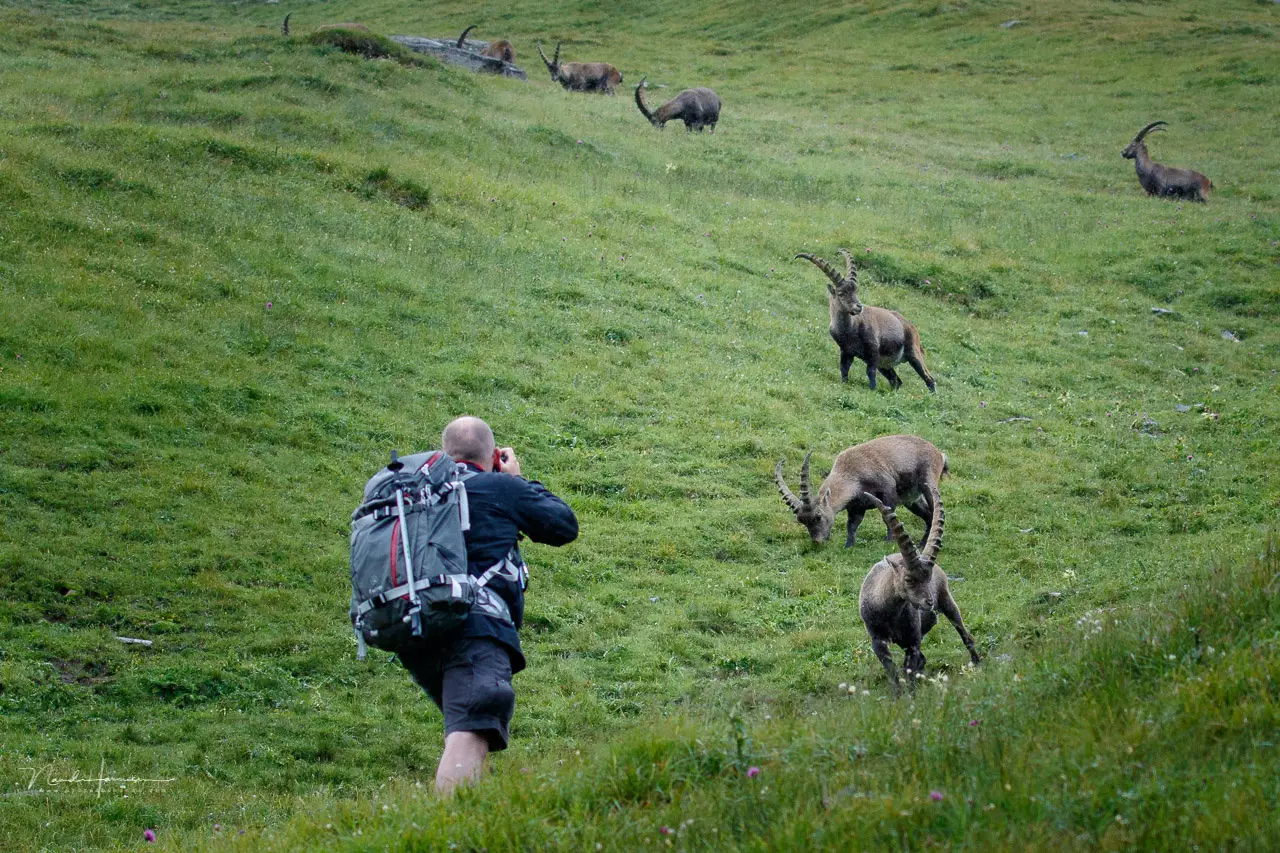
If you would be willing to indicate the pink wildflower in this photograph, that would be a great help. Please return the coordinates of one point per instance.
(149, 835)
(936, 796)
(268, 306)
(974, 722)
(753, 772)
(666, 830)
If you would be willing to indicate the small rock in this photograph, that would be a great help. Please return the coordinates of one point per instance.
(1163, 311)
(1009, 24)
(956, 578)
(1015, 420)
(1082, 333)
(1228, 336)
(1182, 407)
(1004, 658)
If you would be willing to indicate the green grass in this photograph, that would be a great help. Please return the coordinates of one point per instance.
(237, 269)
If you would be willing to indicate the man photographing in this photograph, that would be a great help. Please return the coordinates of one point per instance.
(469, 678)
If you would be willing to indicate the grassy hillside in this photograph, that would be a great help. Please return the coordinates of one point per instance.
(237, 269)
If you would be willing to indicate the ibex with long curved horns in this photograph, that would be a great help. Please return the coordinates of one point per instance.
(880, 337)
(582, 76)
(1161, 180)
(500, 49)
(903, 594)
(697, 108)
(895, 469)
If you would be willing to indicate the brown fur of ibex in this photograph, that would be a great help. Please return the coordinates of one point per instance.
(880, 337)
(582, 76)
(895, 469)
(1161, 180)
(903, 594)
(500, 49)
(349, 25)
(697, 108)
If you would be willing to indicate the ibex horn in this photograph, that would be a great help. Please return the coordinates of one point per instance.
(462, 38)
(556, 60)
(899, 533)
(284, 28)
(640, 101)
(1155, 125)
(804, 482)
(934, 542)
(543, 55)
(792, 501)
(850, 274)
(822, 265)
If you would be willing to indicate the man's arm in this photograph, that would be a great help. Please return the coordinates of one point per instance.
(542, 516)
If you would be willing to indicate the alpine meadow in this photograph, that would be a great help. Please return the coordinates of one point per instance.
(238, 268)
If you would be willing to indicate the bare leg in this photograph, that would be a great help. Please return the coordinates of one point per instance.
(947, 607)
(462, 761)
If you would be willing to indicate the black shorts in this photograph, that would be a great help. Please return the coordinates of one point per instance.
(470, 682)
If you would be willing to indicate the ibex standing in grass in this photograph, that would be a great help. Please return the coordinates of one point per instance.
(1162, 180)
(903, 594)
(500, 49)
(880, 337)
(894, 469)
(697, 108)
(582, 76)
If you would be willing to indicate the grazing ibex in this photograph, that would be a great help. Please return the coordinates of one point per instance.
(500, 49)
(697, 108)
(1162, 180)
(895, 469)
(582, 76)
(903, 594)
(880, 337)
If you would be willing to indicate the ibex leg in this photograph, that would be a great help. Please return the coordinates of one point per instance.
(846, 361)
(915, 357)
(921, 508)
(947, 607)
(851, 527)
(881, 648)
(892, 375)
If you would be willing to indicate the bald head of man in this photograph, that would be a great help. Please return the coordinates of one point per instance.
(469, 439)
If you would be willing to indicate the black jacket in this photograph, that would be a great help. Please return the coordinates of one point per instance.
(502, 507)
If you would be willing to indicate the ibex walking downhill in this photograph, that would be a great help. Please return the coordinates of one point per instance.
(880, 337)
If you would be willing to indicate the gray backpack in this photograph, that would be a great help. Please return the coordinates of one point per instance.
(409, 581)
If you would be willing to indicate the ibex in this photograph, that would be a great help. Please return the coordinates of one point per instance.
(895, 469)
(500, 49)
(903, 594)
(582, 76)
(1162, 180)
(284, 27)
(697, 108)
(880, 337)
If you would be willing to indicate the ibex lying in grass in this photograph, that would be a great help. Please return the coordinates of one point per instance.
(697, 108)
(1162, 180)
(582, 76)
(880, 337)
(895, 469)
(284, 27)
(500, 49)
(903, 594)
